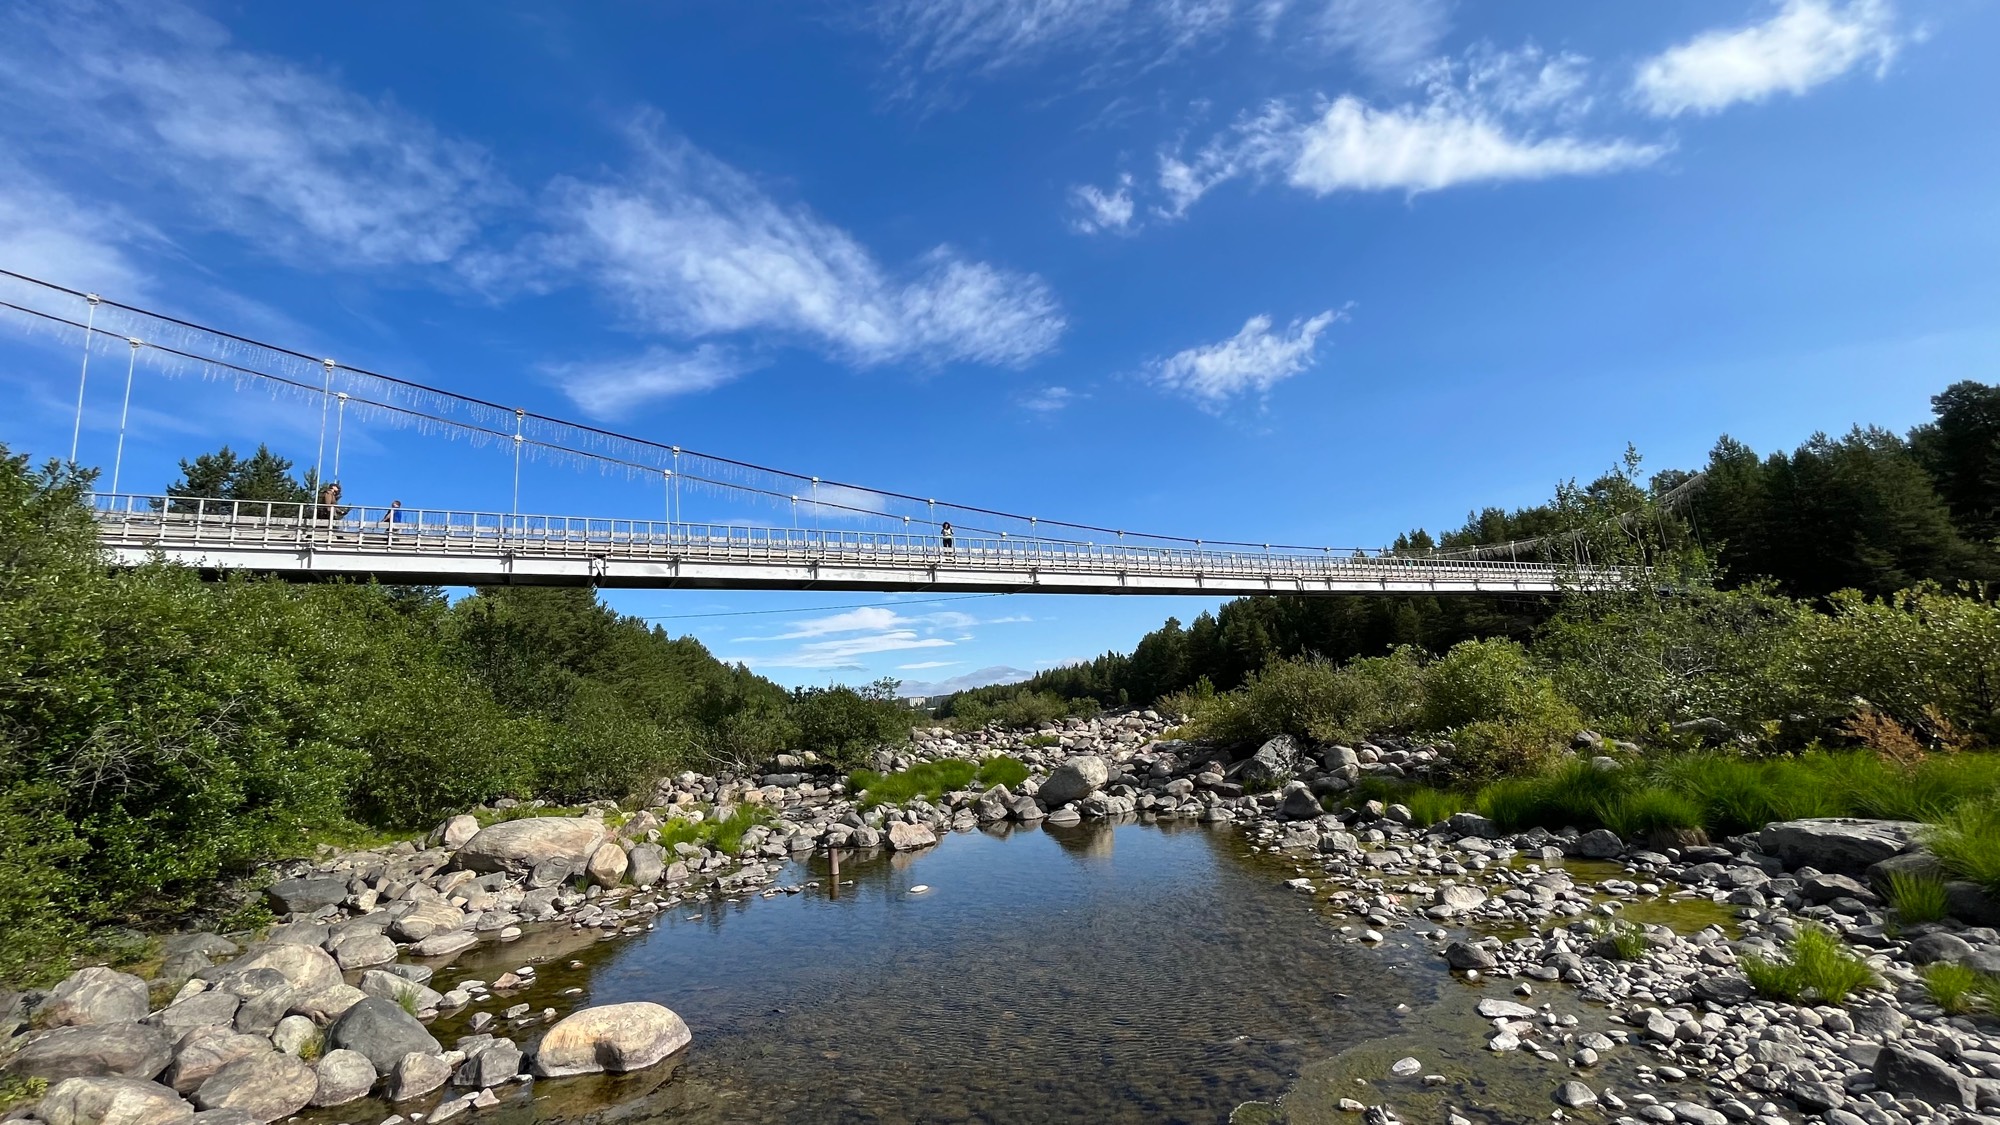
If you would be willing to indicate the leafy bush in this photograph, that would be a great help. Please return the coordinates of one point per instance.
(1017, 710)
(1818, 966)
(843, 726)
(1312, 699)
(724, 833)
(1917, 898)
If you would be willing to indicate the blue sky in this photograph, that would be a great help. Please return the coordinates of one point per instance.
(1308, 271)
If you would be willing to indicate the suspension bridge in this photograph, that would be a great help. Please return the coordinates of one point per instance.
(878, 540)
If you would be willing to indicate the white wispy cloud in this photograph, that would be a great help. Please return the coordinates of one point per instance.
(938, 37)
(689, 246)
(1387, 37)
(48, 233)
(1098, 210)
(1253, 360)
(994, 674)
(1048, 400)
(1803, 44)
(612, 387)
(1490, 116)
(278, 154)
(922, 665)
(844, 652)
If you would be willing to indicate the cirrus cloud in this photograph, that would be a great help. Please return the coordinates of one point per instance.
(1805, 43)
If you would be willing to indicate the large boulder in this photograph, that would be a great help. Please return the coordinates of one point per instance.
(425, 919)
(117, 1050)
(381, 1030)
(607, 865)
(360, 949)
(1299, 802)
(1598, 843)
(614, 1038)
(1074, 780)
(303, 896)
(1270, 766)
(306, 968)
(203, 1052)
(490, 1065)
(324, 1005)
(266, 1086)
(454, 832)
(516, 846)
(909, 837)
(1843, 844)
(648, 865)
(417, 1074)
(343, 1076)
(393, 987)
(1919, 1074)
(94, 996)
(213, 1008)
(112, 1101)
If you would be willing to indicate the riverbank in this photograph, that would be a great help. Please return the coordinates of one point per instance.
(1643, 1021)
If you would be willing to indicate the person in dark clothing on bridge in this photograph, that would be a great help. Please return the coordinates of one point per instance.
(944, 533)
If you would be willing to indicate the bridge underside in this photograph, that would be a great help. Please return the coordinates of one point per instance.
(484, 568)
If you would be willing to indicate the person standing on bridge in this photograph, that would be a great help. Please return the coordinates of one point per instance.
(329, 502)
(944, 533)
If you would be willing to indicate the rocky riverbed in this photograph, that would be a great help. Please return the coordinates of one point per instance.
(334, 1004)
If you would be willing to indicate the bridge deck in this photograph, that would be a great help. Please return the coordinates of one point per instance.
(424, 546)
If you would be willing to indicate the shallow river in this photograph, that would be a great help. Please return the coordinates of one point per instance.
(1105, 974)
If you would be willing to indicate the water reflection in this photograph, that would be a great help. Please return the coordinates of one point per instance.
(1094, 972)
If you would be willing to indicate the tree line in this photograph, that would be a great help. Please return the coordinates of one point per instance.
(1871, 511)
(159, 732)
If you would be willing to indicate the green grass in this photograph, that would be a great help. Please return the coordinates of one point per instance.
(1818, 966)
(16, 1090)
(1724, 794)
(1955, 988)
(1429, 806)
(1643, 813)
(406, 999)
(932, 780)
(724, 835)
(1628, 940)
(1042, 740)
(1967, 842)
(1917, 898)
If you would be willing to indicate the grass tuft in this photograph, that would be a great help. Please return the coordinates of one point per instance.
(1955, 988)
(725, 834)
(1967, 842)
(406, 999)
(1818, 966)
(932, 780)
(1429, 806)
(1628, 939)
(1917, 898)
(1003, 769)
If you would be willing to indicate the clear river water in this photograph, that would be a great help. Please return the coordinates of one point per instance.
(1108, 974)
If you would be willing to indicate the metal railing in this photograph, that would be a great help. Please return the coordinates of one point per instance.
(146, 522)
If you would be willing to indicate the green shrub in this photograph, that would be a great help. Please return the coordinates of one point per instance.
(843, 726)
(1967, 842)
(1018, 710)
(1954, 988)
(1917, 898)
(725, 834)
(1818, 966)
(1479, 681)
(1495, 748)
